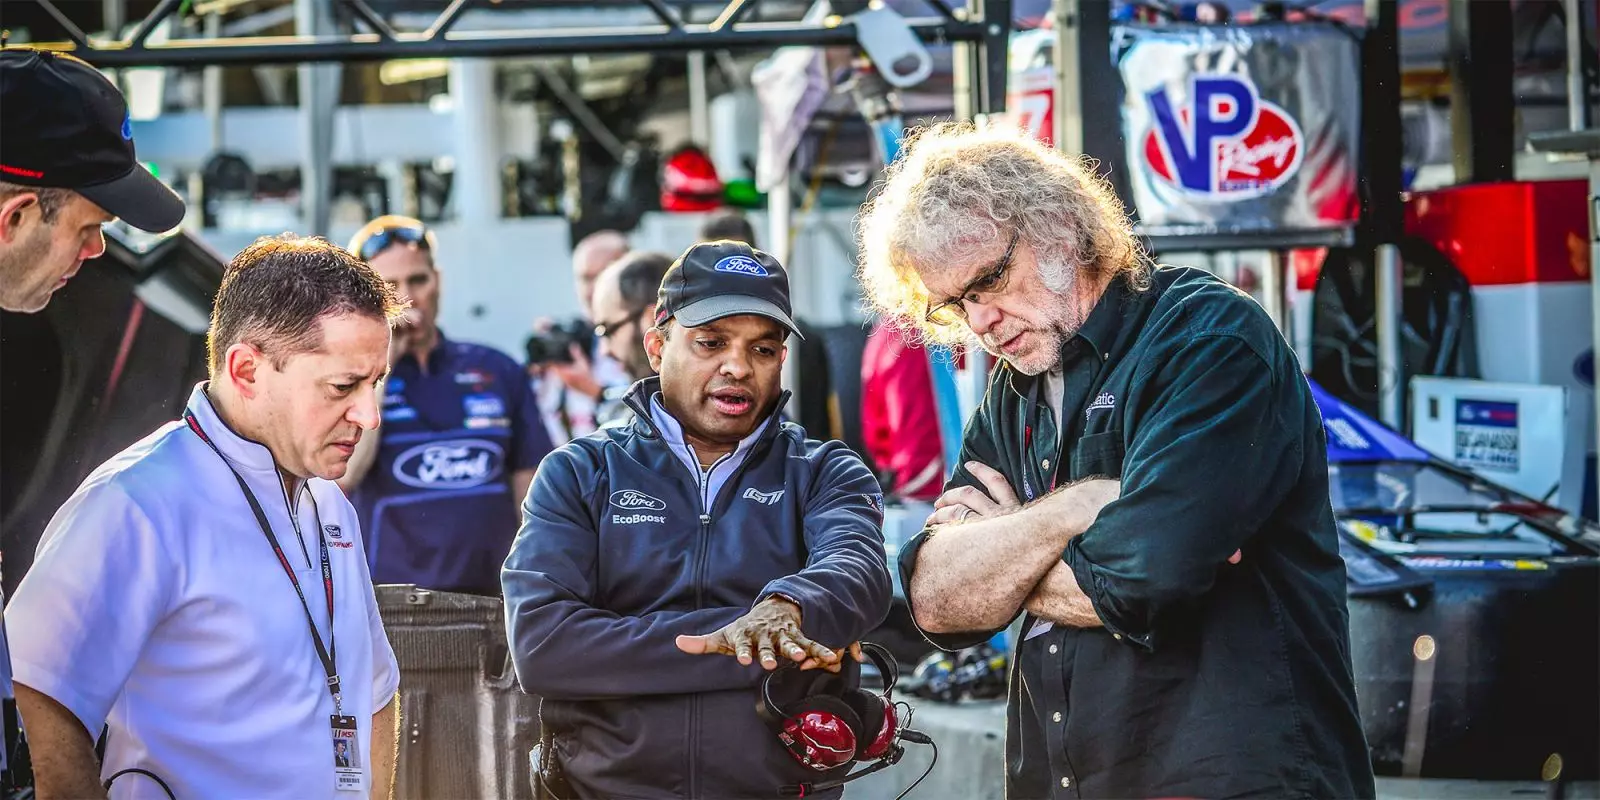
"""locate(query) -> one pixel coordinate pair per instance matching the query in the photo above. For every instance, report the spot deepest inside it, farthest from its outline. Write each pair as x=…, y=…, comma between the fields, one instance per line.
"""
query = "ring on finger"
x=965, y=512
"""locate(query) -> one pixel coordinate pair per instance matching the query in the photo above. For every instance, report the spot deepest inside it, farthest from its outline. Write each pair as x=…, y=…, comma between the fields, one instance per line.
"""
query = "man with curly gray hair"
x=1146, y=482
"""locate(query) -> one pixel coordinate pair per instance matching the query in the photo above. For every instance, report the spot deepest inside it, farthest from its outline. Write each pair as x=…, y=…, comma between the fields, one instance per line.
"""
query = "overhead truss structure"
x=379, y=41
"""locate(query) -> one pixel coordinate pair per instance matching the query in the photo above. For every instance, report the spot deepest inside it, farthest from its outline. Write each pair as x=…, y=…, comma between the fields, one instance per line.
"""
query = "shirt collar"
x=672, y=434
x=1104, y=331
x=438, y=357
x=243, y=454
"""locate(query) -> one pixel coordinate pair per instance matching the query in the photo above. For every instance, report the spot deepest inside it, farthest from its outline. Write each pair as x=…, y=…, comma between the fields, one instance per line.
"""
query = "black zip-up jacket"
x=1208, y=679
x=621, y=550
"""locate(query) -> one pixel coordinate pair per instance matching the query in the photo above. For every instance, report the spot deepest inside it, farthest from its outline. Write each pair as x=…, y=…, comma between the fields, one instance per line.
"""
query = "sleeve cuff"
x=60, y=690
x=815, y=620
x=1093, y=585
x=944, y=641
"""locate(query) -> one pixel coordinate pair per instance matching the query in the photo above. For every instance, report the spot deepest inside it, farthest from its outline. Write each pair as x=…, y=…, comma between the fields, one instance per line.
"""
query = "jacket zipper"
x=294, y=519
x=703, y=482
x=707, y=503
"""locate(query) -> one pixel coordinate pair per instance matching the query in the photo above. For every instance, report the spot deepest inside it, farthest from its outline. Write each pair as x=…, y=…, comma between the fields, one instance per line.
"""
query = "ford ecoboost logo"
x=630, y=500
x=742, y=265
x=455, y=464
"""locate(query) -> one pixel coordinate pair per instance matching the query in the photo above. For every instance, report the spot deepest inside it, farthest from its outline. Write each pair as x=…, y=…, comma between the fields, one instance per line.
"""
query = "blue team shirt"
x=436, y=507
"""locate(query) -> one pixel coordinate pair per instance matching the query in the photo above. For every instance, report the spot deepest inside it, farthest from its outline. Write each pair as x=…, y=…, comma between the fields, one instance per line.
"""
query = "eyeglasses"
x=991, y=282
x=385, y=238
x=607, y=329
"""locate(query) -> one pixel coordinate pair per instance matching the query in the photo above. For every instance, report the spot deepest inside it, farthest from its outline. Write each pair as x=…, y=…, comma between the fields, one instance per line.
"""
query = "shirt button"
x=1066, y=783
x=1056, y=717
x=1117, y=636
x=1045, y=464
x=1053, y=649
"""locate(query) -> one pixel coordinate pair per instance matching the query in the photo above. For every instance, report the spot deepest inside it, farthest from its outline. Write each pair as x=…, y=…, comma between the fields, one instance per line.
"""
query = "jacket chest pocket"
x=1098, y=455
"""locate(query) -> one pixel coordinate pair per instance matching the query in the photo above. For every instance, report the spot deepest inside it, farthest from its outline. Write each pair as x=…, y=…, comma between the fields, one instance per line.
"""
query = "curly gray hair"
x=958, y=187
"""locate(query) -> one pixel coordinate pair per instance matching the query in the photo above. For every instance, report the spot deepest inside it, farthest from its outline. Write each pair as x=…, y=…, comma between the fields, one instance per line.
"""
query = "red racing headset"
x=828, y=722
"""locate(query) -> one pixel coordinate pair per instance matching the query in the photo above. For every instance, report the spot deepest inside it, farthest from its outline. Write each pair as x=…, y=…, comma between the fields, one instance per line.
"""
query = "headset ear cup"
x=821, y=732
x=879, y=724
x=869, y=709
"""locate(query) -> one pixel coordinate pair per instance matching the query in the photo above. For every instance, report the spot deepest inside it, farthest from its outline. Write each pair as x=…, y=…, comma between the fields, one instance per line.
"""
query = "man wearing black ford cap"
x=67, y=167
x=704, y=527
x=63, y=130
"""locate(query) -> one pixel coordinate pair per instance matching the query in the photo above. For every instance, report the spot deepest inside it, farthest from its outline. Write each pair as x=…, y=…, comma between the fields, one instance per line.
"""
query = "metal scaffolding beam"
x=726, y=31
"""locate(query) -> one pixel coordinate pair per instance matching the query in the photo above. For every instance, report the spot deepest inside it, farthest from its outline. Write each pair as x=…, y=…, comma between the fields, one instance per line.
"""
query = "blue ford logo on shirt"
x=630, y=499
x=742, y=265
x=453, y=464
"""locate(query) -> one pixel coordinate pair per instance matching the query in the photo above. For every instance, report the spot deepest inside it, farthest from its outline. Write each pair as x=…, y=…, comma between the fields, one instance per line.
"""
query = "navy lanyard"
x=327, y=654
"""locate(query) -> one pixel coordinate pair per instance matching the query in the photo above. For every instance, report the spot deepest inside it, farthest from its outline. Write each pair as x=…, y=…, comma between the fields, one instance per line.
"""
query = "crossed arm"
x=1013, y=550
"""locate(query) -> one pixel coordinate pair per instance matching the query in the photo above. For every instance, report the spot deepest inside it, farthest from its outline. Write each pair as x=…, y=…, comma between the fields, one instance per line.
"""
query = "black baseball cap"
x=725, y=278
x=66, y=126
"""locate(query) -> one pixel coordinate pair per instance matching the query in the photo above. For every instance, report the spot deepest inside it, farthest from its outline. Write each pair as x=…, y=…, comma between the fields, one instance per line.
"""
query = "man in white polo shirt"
x=183, y=596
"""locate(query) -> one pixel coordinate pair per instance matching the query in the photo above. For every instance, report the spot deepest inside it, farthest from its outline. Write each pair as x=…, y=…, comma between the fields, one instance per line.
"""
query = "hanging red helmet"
x=689, y=182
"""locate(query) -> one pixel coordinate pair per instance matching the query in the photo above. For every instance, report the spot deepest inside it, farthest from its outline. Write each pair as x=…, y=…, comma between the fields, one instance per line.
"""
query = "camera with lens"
x=555, y=345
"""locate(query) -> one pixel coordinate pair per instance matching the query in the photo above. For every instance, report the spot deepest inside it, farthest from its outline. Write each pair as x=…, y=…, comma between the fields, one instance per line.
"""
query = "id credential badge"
x=347, y=755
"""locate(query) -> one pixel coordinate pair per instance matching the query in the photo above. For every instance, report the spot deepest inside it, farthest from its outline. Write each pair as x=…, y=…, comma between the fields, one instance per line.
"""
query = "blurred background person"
x=437, y=489
x=900, y=416
x=729, y=224
x=571, y=373
x=624, y=308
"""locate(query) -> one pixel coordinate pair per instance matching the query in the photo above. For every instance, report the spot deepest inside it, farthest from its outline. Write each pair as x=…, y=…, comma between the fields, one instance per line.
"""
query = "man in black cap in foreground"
x=67, y=167
x=63, y=126
x=706, y=526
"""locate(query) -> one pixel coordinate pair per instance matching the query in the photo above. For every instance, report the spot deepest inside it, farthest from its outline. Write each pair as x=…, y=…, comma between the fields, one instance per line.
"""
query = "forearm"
x=842, y=595
x=385, y=748
x=975, y=575
x=64, y=764
x=1059, y=599
x=565, y=650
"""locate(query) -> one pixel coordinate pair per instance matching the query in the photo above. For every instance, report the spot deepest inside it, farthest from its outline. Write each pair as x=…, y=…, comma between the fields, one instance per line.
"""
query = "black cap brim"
x=139, y=199
x=719, y=306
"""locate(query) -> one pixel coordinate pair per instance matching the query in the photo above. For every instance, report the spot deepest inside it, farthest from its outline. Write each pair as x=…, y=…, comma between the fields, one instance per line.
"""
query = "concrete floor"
x=971, y=766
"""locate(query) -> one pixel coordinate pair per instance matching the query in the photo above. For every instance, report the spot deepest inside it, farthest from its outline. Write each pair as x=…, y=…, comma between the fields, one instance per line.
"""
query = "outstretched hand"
x=768, y=630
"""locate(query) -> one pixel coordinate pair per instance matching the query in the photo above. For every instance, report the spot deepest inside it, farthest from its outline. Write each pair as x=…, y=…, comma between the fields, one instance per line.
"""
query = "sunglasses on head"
x=385, y=238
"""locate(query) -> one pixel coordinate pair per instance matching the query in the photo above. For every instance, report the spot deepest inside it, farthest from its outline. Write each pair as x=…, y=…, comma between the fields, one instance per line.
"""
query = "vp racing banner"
x=1250, y=129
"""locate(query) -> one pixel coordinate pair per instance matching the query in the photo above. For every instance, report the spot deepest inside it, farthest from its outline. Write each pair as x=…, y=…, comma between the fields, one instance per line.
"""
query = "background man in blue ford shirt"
x=438, y=489
x=706, y=526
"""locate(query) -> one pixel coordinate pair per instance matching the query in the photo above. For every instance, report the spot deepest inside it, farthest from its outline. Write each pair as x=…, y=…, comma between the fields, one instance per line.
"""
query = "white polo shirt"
x=156, y=607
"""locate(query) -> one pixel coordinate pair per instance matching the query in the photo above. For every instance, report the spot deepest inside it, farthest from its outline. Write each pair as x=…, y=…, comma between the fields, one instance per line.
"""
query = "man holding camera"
x=705, y=526
x=437, y=490
x=574, y=375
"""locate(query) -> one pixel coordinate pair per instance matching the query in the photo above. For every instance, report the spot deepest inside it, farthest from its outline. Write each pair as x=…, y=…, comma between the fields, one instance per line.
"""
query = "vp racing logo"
x=454, y=464
x=1225, y=144
x=636, y=501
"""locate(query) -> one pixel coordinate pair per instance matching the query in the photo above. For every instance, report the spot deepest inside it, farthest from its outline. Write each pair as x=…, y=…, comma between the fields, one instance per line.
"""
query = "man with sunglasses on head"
x=437, y=489
x=1145, y=482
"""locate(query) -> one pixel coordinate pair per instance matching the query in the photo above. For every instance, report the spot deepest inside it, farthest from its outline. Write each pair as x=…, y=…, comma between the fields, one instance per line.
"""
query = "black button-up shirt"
x=1209, y=679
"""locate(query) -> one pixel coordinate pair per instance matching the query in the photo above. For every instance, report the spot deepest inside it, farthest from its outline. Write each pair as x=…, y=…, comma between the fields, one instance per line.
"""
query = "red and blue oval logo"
x=1226, y=143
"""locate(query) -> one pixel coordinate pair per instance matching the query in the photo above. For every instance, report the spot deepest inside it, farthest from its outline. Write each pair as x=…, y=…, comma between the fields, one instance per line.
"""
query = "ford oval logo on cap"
x=741, y=265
